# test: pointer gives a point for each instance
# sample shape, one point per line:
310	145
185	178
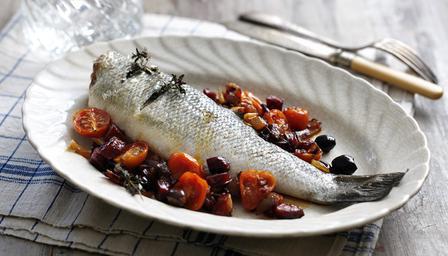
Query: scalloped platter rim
365	121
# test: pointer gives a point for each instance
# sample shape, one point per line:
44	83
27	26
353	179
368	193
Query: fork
406	55
398	49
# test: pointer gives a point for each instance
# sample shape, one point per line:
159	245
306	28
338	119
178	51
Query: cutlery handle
396	78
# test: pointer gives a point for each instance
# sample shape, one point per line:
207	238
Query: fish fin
362	188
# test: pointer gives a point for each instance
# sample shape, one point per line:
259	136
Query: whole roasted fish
171	116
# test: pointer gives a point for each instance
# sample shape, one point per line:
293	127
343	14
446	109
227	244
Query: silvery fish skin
191	122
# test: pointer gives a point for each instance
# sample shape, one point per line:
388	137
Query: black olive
147	184
163	171
162	188
147	170
343	164
176	197
325	142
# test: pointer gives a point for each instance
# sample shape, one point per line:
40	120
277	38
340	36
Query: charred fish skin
187	120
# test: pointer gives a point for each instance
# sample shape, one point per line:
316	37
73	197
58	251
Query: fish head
107	62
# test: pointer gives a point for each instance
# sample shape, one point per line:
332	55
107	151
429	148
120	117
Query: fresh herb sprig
129	181
141	57
140	64
176	83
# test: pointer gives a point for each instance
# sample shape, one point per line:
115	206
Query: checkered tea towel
40	206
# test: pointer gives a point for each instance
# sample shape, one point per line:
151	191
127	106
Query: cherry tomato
297	118
180	162
254	187
195	189
275	116
135	154
91	122
223	205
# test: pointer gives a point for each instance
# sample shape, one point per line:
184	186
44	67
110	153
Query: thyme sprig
129	181
176	83
141	57
140	64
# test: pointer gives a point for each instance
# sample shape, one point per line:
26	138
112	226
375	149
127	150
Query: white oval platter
366	123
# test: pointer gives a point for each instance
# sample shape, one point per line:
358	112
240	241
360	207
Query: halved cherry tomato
254	187
180	162
195	189
135	154
275	116
297	118
91	122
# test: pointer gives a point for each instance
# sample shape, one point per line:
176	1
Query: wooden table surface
421	226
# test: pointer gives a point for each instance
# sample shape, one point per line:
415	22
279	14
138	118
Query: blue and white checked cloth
38	205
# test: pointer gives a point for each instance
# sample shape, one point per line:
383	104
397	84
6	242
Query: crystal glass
58	26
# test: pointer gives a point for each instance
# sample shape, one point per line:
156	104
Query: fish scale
191	122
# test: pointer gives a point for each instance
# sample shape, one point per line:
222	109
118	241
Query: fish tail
363	188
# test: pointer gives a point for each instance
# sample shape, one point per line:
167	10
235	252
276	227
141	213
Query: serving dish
366	122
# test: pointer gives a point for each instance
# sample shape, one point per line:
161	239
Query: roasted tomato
180	162
275	116
91	122
256	102
223	205
312	153
135	154
254	187
297	118
195	189
314	127
232	94
251	103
